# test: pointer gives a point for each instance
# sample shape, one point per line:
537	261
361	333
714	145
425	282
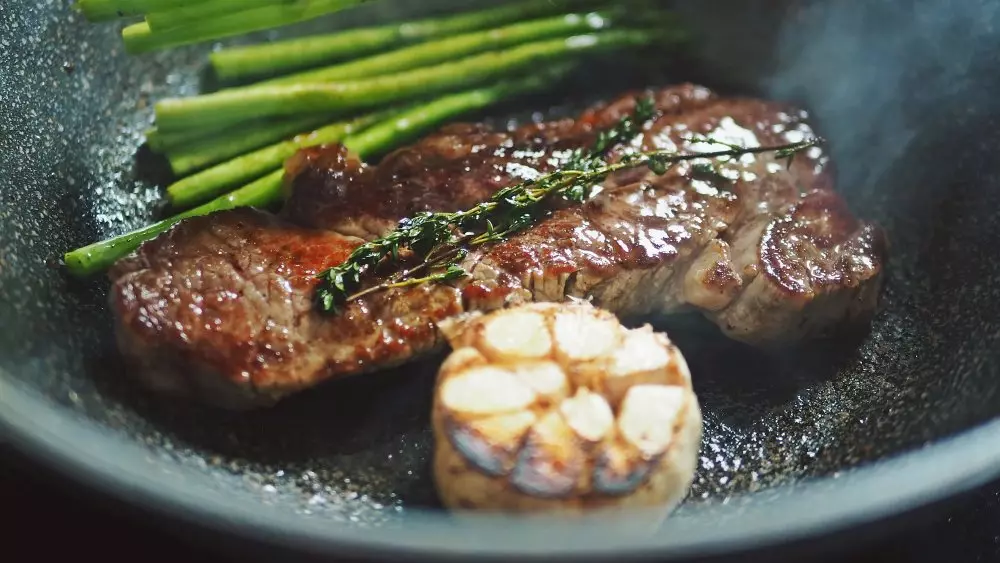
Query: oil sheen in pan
358	450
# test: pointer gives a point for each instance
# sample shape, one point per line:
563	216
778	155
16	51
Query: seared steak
454	169
221	306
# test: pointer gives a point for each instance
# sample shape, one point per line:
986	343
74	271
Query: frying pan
831	436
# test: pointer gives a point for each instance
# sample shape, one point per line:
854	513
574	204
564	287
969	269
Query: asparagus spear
140	38
256	61
100	256
162	142
210	183
448	49
103	10
192	154
267	191
176	141
205	151
404	127
227	107
204	10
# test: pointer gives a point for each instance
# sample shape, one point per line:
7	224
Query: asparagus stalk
100	256
162	142
103	10
204	10
140	38
216	180
267	191
227	107
400	129
206	151
256	61
448	49
175	141
390	130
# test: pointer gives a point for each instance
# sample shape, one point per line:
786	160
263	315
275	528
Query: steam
875	72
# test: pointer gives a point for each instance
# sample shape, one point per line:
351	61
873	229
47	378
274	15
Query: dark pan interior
905	91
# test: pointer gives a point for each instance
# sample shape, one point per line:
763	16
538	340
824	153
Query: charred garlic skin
559	408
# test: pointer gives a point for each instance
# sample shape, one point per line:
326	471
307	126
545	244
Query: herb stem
406	279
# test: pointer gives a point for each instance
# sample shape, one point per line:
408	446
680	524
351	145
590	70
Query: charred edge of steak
221	305
814	269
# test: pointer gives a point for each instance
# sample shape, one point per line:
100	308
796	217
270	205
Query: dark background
46	519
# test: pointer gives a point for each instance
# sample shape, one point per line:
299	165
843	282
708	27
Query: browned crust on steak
221	307
453	169
815	267
205	307
630	247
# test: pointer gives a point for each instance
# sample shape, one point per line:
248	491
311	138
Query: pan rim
887	488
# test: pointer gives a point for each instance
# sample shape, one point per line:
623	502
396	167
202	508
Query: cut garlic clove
643	358
547	379
589	415
581	335
516	335
551	461
491	444
461	360
649	415
485	390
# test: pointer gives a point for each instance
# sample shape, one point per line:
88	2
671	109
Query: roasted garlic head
558	407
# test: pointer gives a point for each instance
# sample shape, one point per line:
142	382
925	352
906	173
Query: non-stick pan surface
799	444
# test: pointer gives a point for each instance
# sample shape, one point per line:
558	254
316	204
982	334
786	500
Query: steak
221	307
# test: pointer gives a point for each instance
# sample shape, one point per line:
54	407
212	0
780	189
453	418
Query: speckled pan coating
911	112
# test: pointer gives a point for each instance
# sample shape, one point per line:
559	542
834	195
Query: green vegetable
216	180
100	256
141	38
404	127
256	61
204	10
103	10
162	142
267	191
198	153
449	49
178	141
226	107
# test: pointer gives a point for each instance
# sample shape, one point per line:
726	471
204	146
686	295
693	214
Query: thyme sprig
627	128
434	235
442	239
